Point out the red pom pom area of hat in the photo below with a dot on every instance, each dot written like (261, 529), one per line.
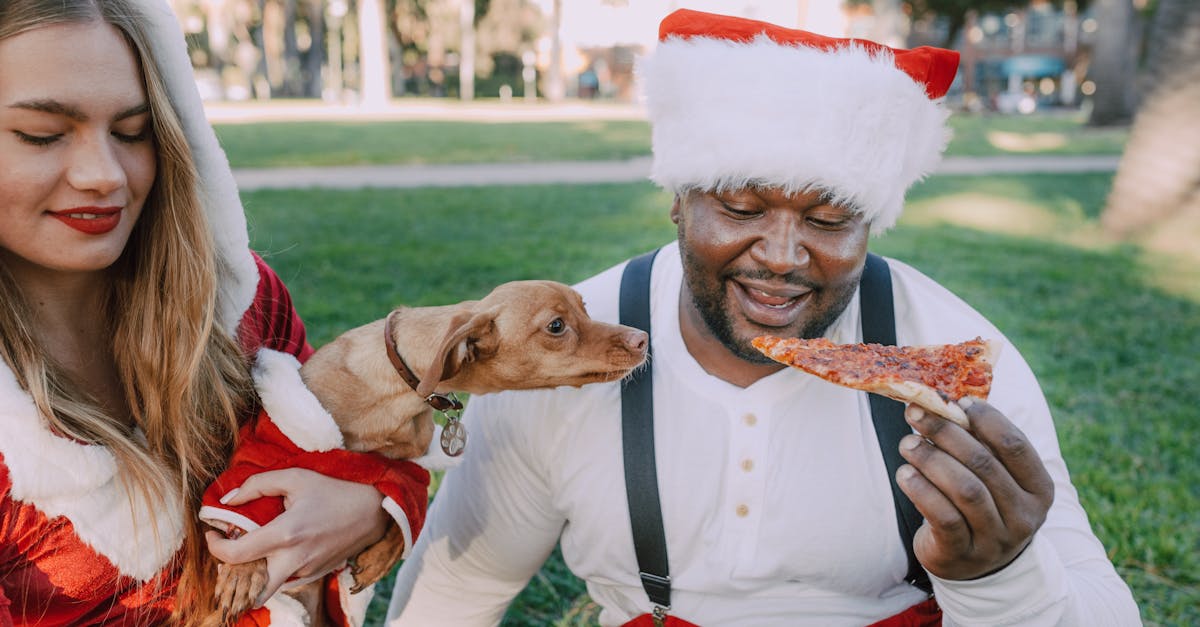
(932, 67)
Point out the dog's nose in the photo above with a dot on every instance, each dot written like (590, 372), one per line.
(635, 339)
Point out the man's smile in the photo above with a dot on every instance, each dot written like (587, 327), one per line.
(770, 305)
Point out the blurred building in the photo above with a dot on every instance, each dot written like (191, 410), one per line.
(1019, 61)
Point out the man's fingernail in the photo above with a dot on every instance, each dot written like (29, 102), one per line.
(229, 496)
(966, 402)
(905, 472)
(914, 413)
(909, 442)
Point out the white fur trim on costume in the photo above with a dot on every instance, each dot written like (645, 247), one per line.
(354, 606)
(286, 611)
(393, 508)
(62, 477)
(224, 519)
(727, 115)
(292, 406)
(217, 187)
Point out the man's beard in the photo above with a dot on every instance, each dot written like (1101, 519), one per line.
(712, 302)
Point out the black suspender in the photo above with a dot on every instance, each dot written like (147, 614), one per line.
(637, 434)
(879, 327)
(637, 429)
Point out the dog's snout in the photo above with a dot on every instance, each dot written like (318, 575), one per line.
(635, 340)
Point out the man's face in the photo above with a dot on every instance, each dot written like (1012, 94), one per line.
(759, 262)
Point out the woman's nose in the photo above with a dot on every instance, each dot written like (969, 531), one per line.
(95, 166)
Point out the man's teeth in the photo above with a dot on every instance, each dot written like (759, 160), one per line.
(764, 296)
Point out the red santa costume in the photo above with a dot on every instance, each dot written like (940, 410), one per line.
(75, 548)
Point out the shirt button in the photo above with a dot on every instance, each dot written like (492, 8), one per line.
(750, 420)
(747, 465)
(743, 511)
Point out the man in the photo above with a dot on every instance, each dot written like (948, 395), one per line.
(785, 151)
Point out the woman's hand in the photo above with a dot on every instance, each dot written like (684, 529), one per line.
(326, 522)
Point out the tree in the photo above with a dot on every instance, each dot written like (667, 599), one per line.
(955, 12)
(1114, 63)
(1156, 190)
(375, 70)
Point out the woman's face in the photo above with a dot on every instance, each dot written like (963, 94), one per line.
(77, 153)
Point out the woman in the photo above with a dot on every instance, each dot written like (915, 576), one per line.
(130, 309)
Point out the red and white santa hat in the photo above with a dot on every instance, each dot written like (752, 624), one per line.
(735, 102)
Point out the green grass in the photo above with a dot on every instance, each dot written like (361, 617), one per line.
(277, 144)
(1112, 339)
(1051, 133)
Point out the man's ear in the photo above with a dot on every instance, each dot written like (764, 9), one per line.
(468, 338)
(675, 208)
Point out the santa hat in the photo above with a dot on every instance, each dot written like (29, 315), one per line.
(735, 102)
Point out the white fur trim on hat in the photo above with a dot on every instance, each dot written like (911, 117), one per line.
(216, 185)
(727, 115)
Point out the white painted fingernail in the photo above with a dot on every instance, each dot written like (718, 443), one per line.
(229, 496)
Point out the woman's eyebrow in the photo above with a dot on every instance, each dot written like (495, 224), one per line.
(55, 107)
(133, 111)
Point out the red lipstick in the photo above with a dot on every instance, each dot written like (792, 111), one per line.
(90, 220)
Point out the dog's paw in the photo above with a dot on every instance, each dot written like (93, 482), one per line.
(377, 560)
(238, 587)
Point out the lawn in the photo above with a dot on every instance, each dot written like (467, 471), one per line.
(1112, 338)
(275, 144)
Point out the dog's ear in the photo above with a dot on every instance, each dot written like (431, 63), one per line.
(466, 336)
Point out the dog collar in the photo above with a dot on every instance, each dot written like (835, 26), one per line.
(454, 434)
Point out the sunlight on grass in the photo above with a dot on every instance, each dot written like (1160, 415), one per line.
(1024, 206)
(986, 212)
(1026, 142)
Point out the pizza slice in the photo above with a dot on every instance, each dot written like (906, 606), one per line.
(933, 377)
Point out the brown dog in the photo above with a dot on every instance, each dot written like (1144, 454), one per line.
(522, 335)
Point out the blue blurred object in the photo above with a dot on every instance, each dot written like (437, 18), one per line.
(1033, 66)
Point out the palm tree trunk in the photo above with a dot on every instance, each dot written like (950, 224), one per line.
(1157, 184)
(1112, 66)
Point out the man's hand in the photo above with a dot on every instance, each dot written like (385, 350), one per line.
(983, 493)
(326, 522)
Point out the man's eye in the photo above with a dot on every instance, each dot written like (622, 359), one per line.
(556, 326)
(829, 223)
(739, 213)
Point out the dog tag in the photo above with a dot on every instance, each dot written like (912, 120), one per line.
(454, 437)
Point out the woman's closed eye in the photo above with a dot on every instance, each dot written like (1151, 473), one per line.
(37, 139)
(140, 135)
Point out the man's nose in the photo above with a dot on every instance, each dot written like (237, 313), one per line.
(781, 248)
(95, 165)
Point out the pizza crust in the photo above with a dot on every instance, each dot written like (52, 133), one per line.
(925, 396)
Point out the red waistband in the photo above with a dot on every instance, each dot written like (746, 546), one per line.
(924, 614)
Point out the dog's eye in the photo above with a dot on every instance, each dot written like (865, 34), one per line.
(556, 326)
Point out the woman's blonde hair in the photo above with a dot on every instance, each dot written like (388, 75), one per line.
(185, 379)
